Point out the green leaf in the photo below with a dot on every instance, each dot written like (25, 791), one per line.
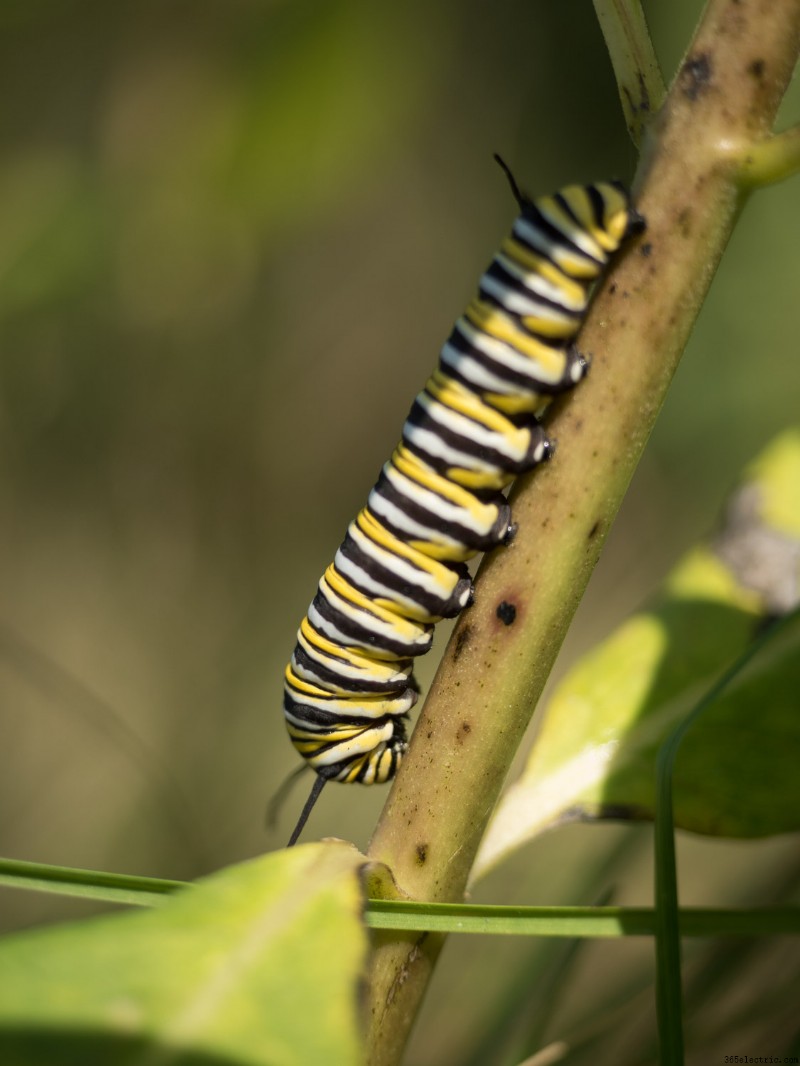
(736, 775)
(259, 964)
(669, 991)
(776, 474)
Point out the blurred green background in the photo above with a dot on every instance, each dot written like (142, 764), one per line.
(232, 239)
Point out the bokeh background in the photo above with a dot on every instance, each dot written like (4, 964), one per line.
(232, 239)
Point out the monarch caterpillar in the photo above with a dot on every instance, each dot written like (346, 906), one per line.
(438, 501)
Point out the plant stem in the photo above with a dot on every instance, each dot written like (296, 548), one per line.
(773, 159)
(639, 79)
(727, 91)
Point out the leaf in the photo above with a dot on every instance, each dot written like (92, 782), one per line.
(775, 473)
(259, 964)
(736, 775)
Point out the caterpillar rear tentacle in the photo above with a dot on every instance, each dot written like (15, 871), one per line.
(438, 501)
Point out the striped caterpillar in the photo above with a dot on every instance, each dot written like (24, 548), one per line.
(438, 501)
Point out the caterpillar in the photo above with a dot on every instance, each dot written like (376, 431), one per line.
(438, 501)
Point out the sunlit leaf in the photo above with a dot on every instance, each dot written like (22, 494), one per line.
(259, 964)
(736, 774)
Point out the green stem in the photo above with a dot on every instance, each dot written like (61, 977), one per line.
(640, 82)
(577, 921)
(771, 160)
(86, 884)
(492, 673)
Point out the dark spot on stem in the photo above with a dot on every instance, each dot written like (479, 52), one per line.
(696, 75)
(463, 732)
(462, 641)
(422, 854)
(507, 613)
